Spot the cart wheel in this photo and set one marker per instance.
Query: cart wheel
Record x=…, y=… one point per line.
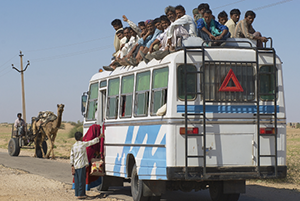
x=13, y=147
x=39, y=153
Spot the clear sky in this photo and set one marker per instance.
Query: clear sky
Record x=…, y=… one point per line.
x=67, y=41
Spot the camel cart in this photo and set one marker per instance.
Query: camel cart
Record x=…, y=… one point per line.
x=25, y=141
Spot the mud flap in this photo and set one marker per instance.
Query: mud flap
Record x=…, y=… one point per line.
x=237, y=186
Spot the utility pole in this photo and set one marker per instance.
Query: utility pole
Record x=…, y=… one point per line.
x=22, y=82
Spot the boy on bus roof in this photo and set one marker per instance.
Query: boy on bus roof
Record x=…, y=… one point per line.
x=234, y=18
x=210, y=30
x=223, y=17
x=244, y=29
x=201, y=8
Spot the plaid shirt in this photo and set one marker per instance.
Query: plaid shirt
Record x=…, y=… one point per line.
x=78, y=157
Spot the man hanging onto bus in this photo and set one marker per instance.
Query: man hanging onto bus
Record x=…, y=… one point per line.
x=20, y=124
x=170, y=13
x=234, y=18
x=223, y=17
x=211, y=30
x=136, y=28
x=244, y=29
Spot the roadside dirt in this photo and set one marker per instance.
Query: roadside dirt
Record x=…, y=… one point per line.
x=19, y=185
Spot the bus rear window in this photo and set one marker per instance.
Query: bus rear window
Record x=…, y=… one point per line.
x=191, y=82
x=266, y=82
x=240, y=77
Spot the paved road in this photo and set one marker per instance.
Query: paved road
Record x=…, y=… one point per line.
x=60, y=171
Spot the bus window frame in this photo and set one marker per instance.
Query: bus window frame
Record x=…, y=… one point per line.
x=95, y=102
x=108, y=100
x=164, y=91
x=147, y=96
x=122, y=95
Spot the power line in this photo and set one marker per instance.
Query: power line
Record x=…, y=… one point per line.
x=71, y=54
x=9, y=60
x=229, y=4
x=50, y=48
x=272, y=4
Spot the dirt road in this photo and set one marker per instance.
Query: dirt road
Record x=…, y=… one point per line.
x=27, y=178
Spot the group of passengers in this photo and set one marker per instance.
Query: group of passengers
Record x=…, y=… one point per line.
x=154, y=39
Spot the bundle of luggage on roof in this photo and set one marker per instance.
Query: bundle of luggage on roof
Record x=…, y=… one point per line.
x=154, y=39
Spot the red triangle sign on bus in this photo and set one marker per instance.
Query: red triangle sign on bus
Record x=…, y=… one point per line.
x=236, y=88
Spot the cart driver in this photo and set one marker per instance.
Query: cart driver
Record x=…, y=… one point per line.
x=20, y=124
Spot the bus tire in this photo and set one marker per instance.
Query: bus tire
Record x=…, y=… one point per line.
x=137, y=186
x=216, y=191
x=13, y=147
x=104, y=184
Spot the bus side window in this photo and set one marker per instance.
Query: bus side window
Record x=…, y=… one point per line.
x=266, y=82
x=142, y=94
x=126, y=96
x=92, y=101
x=113, y=98
x=159, y=88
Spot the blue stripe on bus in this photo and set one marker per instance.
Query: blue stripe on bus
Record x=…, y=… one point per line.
x=264, y=109
x=148, y=161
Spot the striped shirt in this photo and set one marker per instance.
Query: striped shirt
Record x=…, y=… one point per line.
x=78, y=157
x=243, y=30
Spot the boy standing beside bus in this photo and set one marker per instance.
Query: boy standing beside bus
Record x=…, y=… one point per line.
x=79, y=161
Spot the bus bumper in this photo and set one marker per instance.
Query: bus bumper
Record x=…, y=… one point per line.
x=226, y=173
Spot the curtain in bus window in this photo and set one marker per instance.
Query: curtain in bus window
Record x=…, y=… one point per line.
x=159, y=88
x=126, y=96
x=191, y=81
x=113, y=98
x=142, y=93
x=267, y=84
x=92, y=103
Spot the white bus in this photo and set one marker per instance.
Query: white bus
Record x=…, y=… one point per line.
x=224, y=121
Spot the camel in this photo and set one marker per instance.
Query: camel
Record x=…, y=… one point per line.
x=48, y=129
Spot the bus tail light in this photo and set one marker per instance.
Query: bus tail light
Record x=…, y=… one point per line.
x=190, y=130
x=267, y=130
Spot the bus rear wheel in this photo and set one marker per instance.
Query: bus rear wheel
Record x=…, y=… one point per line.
x=137, y=186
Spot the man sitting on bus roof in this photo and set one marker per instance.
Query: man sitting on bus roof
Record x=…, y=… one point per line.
x=234, y=18
x=244, y=29
x=136, y=28
x=134, y=50
x=170, y=13
x=223, y=17
x=123, y=40
x=210, y=30
x=117, y=24
x=183, y=20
